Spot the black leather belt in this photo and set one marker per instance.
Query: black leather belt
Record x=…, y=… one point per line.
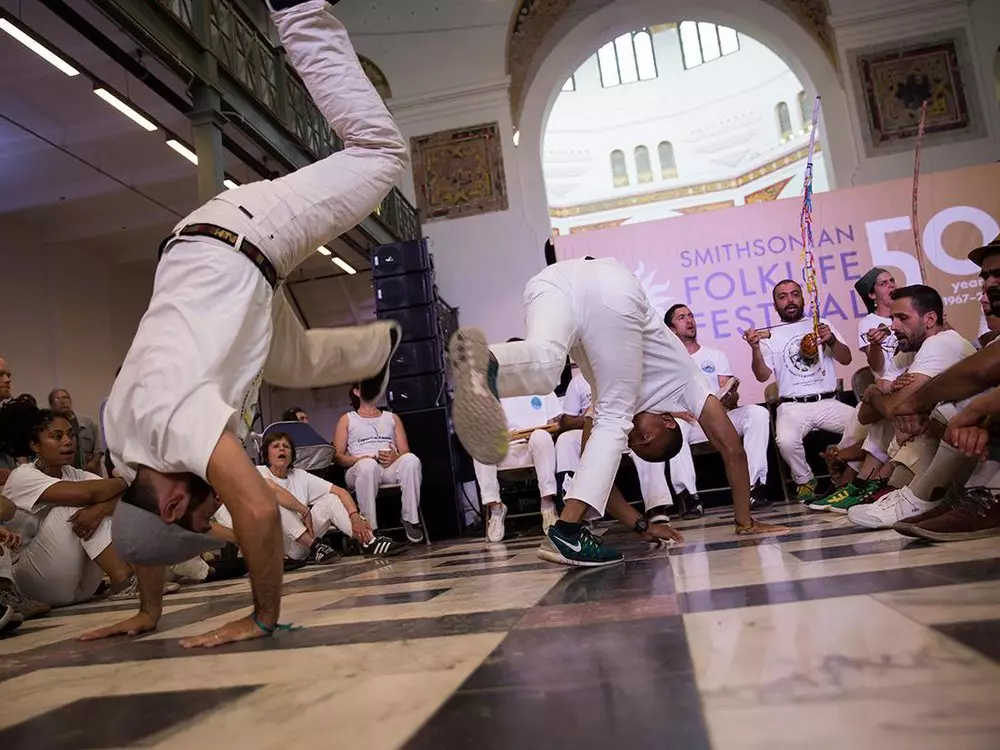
x=811, y=398
x=232, y=239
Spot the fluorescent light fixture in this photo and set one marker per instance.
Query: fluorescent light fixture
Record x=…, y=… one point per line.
x=125, y=109
x=183, y=150
x=343, y=265
x=38, y=48
x=322, y=250
x=230, y=184
x=517, y=138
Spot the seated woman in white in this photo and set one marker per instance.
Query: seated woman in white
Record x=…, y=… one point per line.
x=63, y=514
x=371, y=444
x=309, y=507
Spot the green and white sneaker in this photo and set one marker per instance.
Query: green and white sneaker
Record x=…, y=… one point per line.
x=824, y=503
x=582, y=549
x=480, y=421
x=859, y=496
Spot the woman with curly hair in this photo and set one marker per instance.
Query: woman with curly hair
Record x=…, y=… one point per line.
x=63, y=514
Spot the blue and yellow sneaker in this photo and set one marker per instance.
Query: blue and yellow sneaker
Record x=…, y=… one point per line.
x=573, y=544
x=480, y=422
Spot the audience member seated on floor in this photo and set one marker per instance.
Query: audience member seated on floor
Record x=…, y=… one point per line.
x=10, y=617
x=751, y=421
x=310, y=507
x=967, y=395
x=10, y=594
x=806, y=378
x=371, y=444
x=88, y=437
x=532, y=421
x=576, y=405
x=294, y=414
x=63, y=514
x=894, y=459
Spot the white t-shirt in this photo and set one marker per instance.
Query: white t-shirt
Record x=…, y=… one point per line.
x=795, y=376
x=25, y=485
x=524, y=412
x=366, y=436
x=577, y=399
x=936, y=354
x=890, y=371
x=305, y=487
x=714, y=365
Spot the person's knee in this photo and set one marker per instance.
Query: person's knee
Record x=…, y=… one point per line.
x=540, y=440
x=787, y=434
x=367, y=468
x=409, y=463
x=758, y=416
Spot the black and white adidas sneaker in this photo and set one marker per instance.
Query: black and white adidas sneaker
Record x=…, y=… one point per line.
x=382, y=546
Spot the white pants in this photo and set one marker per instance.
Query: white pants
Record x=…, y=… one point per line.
x=606, y=322
x=752, y=423
x=367, y=475
x=538, y=451
x=57, y=567
x=652, y=483
x=795, y=421
x=652, y=478
x=326, y=512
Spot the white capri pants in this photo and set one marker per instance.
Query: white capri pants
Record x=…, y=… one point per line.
x=57, y=567
x=752, y=423
x=538, y=451
x=367, y=475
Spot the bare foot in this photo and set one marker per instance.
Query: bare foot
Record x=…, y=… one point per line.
x=756, y=527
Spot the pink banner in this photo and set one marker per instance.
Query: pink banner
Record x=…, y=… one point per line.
x=724, y=264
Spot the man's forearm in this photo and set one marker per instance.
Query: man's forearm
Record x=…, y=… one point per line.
x=760, y=369
x=876, y=358
x=963, y=380
x=619, y=508
x=841, y=353
x=567, y=423
x=151, y=581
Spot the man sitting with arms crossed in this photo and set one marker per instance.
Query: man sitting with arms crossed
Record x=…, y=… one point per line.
x=972, y=512
x=217, y=325
x=927, y=349
x=806, y=379
x=752, y=422
x=597, y=311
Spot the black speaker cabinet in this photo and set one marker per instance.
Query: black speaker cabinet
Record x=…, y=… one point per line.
x=416, y=392
x=431, y=438
x=417, y=322
x=417, y=358
x=401, y=257
x=405, y=290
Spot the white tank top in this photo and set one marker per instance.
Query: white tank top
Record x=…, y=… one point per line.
x=366, y=436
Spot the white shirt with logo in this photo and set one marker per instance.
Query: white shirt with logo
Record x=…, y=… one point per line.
x=889, y=370
x=524, y=412
x=794, y=374
x=714, y=365
x=936, y=354
x=366, y=436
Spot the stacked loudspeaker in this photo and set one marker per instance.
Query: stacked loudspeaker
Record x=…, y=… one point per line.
x=405, y=291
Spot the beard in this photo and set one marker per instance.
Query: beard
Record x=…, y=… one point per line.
x=993, y=295
x=790, y=313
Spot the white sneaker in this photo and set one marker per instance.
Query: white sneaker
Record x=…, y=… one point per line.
x=889, y=509
x=495, y=527
x=549, y=516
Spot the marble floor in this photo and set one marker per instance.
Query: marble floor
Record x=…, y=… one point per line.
x=828, y=637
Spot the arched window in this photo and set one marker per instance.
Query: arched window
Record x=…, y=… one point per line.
x=619, y=172
x=805, y=112
x=627, y=59
x=784, y=121
x=643, y=167
x=703, y=42
x=668, y=166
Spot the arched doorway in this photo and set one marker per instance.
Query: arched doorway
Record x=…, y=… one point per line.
x=725, y=120
x=571, y=41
